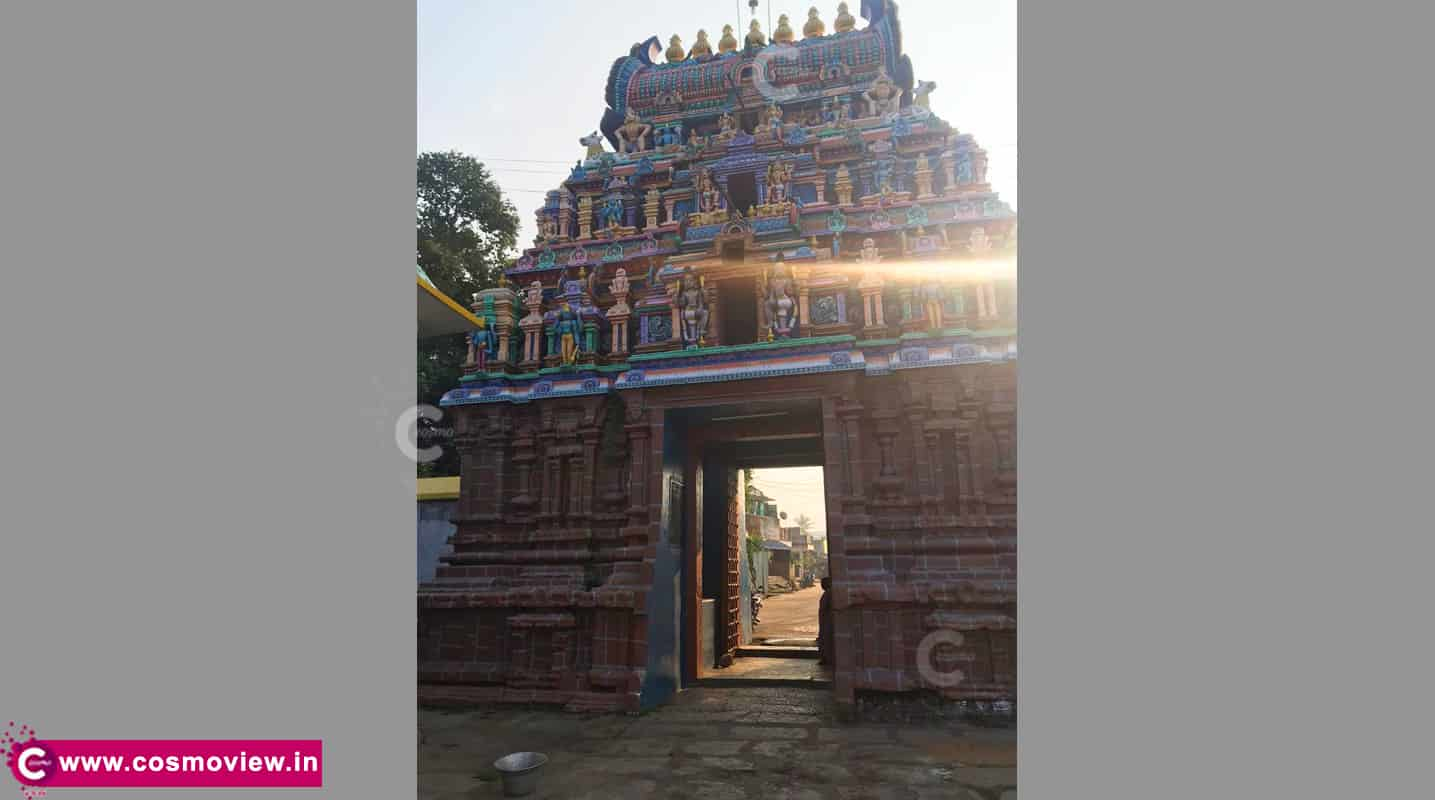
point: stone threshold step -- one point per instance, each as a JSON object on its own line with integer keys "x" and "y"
{"x": 731, "y": 683}
{"x": 777, "y": 651}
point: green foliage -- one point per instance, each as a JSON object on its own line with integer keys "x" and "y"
{"x": 804, "y": 523}
{"x": 466, "y": 231}
{"x": 466, "y": 228}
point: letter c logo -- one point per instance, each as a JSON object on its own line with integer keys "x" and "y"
{"x": 22, "y": 763}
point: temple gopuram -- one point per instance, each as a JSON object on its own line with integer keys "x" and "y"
{"x": 772, "y": 254}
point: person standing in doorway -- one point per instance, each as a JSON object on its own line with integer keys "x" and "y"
{"x": 824, "y": 624}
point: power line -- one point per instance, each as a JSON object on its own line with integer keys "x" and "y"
{"x": 531, "y": 171}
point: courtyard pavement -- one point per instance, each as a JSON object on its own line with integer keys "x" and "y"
{"x": 717, "y": 744}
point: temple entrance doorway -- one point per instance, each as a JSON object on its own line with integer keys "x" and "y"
{"x": 738, "y": 544}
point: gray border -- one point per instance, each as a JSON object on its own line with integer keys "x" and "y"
{"x": 207, "y": 315}
{"x": 1212, "y": 599}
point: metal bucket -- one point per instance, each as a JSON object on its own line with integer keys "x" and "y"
{"x": 520, "y": 772}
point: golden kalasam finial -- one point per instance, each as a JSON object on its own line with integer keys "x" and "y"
{"x": 675, "y": 50}
{"x": 845, "y": 21}
{"x": 701, "y": 47}
{"x": 783, "y": 34}
{"x": 754, "y": 36}
{"x": 814, "y": 26}
{"x": 728, "y": 42}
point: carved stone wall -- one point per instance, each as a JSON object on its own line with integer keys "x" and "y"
{"x": 559, "y": 522}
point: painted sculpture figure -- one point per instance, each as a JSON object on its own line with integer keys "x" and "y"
{"x": 727, "y": 127}
{"x": 570, "y": 334}
{"x": 482, "y": 345}
{"x": 619, "y": 313}
{"x": 870, "y": 286}
{"x": 932, "y": 296}
{"x": 883, "y": 97}
{"x": 547, "y": 227}
{"x": 781, "y": 300}
{"x": 922, "y": 94}
{"x": 845, "y": 21}
{"x": 693, "y": 308}
{"x": 633, "y": 133}
{"x": 778, "y": 177}
{"x": 773, "y": 119}
{"x": 611, "y": 215}
{"x": 710, "y": 201}
{"x": 594, "y": 143}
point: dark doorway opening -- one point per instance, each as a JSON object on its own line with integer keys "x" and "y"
{"x": 719, "y": 577}
{"x": 742, "y": 191}
{"x": 737, "y": 304}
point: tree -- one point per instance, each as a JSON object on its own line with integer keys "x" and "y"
{"x": 466, "y": 232}
{"x": 804, "y": 523}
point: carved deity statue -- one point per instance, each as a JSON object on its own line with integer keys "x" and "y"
{"x": 754, "y": 36}
{"x": 781, "y": 300}
{"x": 570, "y": 334}
{"x": 702, "y": 47}
{"x": 547, "y": 227}
{"x": 773, "y": 120}
{"x": 814, "y": 27}
{"x": 778, "y": 176}
{"x": 709, "y": 197}
{"x": 594, "y": 143}
{"x": 611, "y": 216}
{"x": 870, "y": 257}
{"x": 871, "y": 284}
{"x": 693, "y": 310}
{"x": 922, "y": 95}
{"x": 728, "y": 42}
{"x": 883, "y": 97}
{"x": 932, "y": 294}
{"x": 533, "y": 298}
{"x": 727, "y": 127}
{"x": 482, "y": 345}
{"x": 845, "y": 21}
{"x": 633, "y": 133}
{"x": 619, "y": 288}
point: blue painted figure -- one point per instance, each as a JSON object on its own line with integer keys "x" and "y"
{"x": 570, "y": 334}
{"x": 483, "y": 345}
{"x": 612, "y": 213}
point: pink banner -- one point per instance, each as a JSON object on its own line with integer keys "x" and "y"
{"x": 163, "y": 763}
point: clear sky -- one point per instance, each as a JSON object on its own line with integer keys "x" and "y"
{"x": 797, "y": 490}
{"x": 515, "y": 84}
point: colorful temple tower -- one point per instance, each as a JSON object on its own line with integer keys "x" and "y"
{"x": 785, "y": 259}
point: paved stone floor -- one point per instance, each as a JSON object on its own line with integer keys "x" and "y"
{"x": 769, "y": 668}
{"x": 717, "y": 744}
{"x": 792, "y": 615}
